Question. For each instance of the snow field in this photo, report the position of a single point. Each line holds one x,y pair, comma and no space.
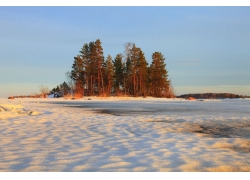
126,135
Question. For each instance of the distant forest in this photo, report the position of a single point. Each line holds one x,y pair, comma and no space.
212,96
128,74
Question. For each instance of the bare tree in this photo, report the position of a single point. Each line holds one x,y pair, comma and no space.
171,91
70,82
44,90
127,49
126,64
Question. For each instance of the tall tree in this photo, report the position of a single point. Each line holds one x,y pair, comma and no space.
128,74
92,67
138,71
159,74
77,74
127,67
99,63
118,73
85,56
134,59
142,73
108,75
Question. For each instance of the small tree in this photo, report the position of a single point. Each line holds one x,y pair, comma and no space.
65,89
171,91
44,90
70,83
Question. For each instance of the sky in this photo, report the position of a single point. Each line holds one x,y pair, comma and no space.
206,47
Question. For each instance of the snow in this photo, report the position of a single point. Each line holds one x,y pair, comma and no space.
15,110
51,96
124,134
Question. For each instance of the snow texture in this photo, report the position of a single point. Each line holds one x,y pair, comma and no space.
126,134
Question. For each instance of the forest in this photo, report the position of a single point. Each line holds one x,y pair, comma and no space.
127,74
213,96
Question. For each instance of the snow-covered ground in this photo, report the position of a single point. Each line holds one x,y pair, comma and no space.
126,134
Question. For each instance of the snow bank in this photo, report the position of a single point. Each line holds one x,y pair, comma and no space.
14,111
208,100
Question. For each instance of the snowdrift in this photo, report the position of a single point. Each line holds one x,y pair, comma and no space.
15,110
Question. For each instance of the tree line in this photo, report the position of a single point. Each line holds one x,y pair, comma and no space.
213,96
126,74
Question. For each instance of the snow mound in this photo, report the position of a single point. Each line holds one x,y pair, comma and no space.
33,113
11,107
208,100
15,110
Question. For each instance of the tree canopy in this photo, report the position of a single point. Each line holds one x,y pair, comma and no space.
126,74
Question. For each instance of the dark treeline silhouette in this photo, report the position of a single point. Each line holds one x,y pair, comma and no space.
26,96
61,90
126,74
212,96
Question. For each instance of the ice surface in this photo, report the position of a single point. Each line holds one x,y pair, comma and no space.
144,134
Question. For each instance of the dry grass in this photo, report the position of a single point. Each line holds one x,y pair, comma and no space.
68,96
105,94
77,95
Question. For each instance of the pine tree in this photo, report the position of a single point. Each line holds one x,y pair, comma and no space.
138,71
93,75
134,59
77,74
64,88
99,63
149,82
127,67
118,73
128,75
142,73
108,75
86,67
160,83
92,69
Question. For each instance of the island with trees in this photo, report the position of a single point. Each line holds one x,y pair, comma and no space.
127,74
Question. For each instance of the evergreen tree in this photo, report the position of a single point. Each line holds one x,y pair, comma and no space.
77,74
64,88
92,69
127,67
133,65
93,75
160,83
86,67
57,89
142,73
99,62
138,71
127,75
149,82
108,75
118,73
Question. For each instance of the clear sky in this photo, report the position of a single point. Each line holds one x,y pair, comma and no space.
207,49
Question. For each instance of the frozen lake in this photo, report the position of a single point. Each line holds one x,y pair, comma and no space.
224,118
127,135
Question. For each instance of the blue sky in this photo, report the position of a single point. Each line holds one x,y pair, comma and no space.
206,48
